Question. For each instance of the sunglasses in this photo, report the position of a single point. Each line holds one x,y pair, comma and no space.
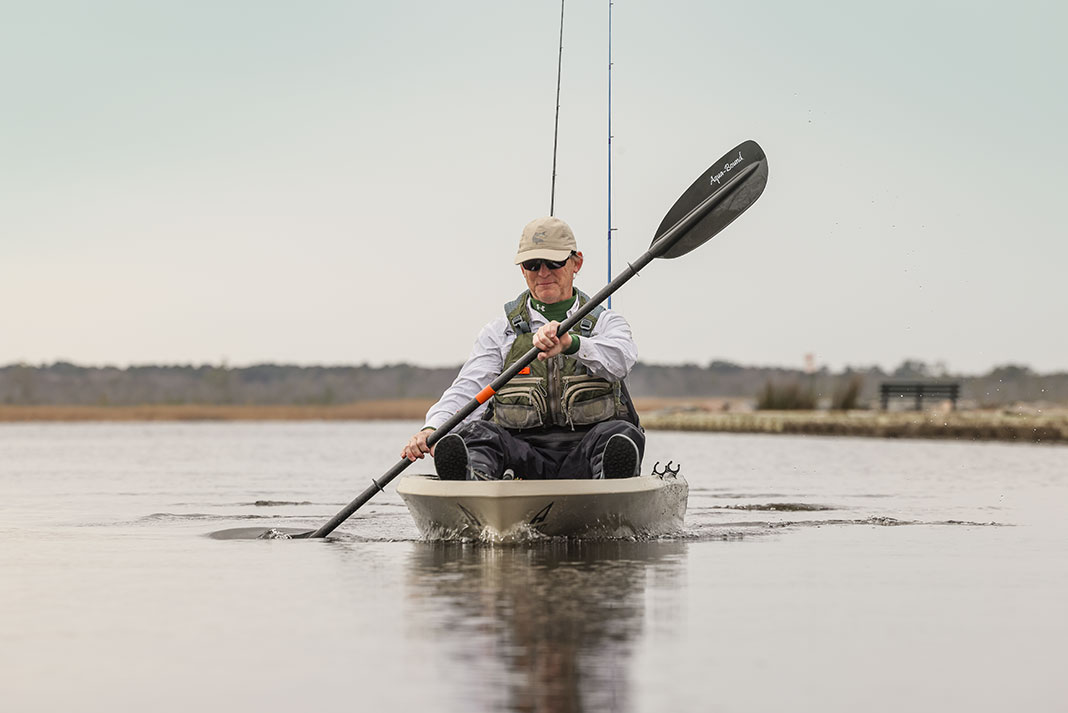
535,265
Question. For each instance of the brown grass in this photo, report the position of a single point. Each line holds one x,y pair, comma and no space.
413,409
653,405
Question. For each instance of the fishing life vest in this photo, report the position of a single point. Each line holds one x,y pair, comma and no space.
558,391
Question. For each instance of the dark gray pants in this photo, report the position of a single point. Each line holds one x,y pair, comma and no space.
543,455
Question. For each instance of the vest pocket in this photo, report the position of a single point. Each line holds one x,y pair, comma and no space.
588,400
520,404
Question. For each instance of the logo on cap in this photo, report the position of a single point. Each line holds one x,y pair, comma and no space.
539,237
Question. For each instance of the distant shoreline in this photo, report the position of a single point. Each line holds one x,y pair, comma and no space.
372,410
666,414
1019,426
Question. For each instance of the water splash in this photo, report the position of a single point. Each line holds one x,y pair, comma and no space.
274,534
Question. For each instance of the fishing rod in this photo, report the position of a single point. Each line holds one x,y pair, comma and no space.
610,228
556,131
556,126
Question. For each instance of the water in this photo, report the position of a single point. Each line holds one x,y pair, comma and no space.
814,574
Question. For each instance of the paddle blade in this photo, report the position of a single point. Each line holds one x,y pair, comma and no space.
261,533
721,194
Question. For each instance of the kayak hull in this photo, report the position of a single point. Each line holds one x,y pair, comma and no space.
503,510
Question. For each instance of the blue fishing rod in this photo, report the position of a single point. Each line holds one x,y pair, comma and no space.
610,228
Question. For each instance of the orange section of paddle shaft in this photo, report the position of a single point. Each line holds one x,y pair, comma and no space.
485,394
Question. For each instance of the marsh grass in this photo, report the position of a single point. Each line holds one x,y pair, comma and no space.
1050,426
847,396
786,397
1031,424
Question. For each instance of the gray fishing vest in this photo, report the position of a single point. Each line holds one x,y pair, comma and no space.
558,391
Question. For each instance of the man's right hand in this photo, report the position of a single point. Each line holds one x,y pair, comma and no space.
417,447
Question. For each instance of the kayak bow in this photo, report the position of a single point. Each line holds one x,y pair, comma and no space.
502,510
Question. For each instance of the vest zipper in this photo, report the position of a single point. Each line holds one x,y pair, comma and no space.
552,376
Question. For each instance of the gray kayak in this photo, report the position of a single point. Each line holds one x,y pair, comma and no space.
506,510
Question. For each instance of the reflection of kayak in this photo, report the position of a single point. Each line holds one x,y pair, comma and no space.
647,505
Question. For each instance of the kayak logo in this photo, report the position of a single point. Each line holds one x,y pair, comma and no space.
717,177
471,516
542,514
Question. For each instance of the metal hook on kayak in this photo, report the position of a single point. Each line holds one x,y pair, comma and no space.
668,470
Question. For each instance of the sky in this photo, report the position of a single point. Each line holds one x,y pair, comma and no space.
345,183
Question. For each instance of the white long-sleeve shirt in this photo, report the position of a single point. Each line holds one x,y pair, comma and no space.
608,352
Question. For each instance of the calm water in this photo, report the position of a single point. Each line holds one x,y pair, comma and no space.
814,574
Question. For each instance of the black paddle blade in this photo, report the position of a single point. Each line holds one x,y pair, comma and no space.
721,194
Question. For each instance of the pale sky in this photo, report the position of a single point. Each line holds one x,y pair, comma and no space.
344,182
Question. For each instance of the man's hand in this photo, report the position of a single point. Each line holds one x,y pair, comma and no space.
550,345
416,447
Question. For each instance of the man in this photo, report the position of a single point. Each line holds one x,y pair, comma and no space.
567,415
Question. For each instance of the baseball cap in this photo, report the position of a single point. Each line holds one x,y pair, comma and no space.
547,238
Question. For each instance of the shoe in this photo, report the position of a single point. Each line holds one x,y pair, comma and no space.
450,458
620,458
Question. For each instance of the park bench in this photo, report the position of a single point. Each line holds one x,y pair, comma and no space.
920,390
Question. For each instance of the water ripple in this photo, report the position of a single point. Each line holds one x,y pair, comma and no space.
191,516
778,507
874,521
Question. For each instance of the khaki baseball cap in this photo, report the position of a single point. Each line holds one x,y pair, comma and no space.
547,238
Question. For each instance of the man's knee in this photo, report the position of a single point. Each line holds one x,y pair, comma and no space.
479,431
606,429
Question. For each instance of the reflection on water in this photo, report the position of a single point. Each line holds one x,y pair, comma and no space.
561,618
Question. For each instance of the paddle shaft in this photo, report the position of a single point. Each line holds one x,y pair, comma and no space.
378,484
658,247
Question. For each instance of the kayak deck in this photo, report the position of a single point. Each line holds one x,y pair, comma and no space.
505,510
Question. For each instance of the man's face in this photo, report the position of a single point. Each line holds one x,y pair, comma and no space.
550,286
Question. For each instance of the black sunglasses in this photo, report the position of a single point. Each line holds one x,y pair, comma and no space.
535,265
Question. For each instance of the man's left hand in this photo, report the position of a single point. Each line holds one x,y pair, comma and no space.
550,345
